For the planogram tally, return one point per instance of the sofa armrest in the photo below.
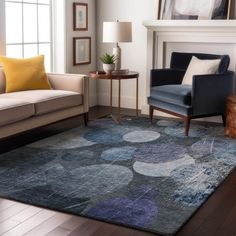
(71, 82)
(209, 92)
(161, 77)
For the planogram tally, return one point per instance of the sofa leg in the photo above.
(224, 120)
(86, 119)
(151, 113)
(187, 125)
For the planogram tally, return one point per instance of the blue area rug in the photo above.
(141, 175)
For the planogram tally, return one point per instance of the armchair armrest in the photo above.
(71, 82)
(209, 92)
(166, 76)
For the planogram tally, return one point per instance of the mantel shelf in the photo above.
(191, 25)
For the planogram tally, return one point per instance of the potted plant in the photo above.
(108, 62)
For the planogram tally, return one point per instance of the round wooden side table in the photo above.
(230, 129)
(119, 76)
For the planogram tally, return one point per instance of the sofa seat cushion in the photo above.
(13, 110)
(46, 101)
(173, 94)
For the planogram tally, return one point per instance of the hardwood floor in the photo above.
(217, 217)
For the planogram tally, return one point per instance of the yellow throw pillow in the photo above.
(25, 74)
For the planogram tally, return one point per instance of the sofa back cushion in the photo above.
(2, 81)
(181, 60)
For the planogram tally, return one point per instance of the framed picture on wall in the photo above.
(82, 50)
(159, 9)
(80, 16)
(194, 10)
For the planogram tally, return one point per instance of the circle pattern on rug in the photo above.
(141, 136)
(161, 169)
(179, 131)
(76, 156)
(118, 154)
(73, 159)
(167, 123)
(137, 212)
(160, 152)
(101, 135)
(91, 181)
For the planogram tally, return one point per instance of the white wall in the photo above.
(133, 54)
(59, 36)
(82, 69)
(2, 27)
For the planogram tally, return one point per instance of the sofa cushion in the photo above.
(174, 94)
(46, 101)
(200, 67)
(13, 110)
(24, 74)
(2, 81)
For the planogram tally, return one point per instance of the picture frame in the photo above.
(159, 9)
(81, 50)
(80, 16)
(194, 10)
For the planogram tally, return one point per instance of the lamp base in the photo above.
(117, 53)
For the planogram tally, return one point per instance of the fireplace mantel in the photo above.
(191, 25)
(160, 32)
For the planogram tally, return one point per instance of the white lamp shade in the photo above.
(115, 32)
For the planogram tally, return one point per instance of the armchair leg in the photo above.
(151, 113)
(224, 120)
(187, 125)
(86, 119)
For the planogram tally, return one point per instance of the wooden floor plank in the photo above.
(7, 225)
(123, 232)
(30, 224)
(59, 232)
(4, 204)
(226, 228)
(49, 225)
(11, 211)
(26, 214)
(140, 233)
(86, 229)
(74, 223)
(104, 229)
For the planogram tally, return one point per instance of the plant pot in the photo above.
(108, 68)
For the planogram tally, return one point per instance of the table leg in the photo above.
(136, 96)
(97, 89)
(119, 98)
(111, 98)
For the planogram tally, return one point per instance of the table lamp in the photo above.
(117, 32)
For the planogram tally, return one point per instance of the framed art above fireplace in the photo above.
(194, 10)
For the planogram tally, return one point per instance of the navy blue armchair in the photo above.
(205, 97)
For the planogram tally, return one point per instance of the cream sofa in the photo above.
(26, 110)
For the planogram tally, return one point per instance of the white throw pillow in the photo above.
(200, 67)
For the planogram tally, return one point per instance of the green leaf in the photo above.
(108, 59)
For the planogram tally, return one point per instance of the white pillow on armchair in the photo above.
(200, 67)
